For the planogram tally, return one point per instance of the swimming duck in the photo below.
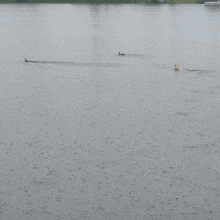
(177, 68)
(121, 54)
(25, 60)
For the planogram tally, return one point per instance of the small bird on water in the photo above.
(121, 54)
(177, 68)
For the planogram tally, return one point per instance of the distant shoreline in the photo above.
(149, 2)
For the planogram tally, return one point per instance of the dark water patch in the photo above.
(193, 70)
(190, 100)
(75, 63)
(195, 91)
(138, 56)
(208, 146)
(182, 113)
(43, 182)
(192, 147)
(201, 72)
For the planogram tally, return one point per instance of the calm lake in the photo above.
(88, 134)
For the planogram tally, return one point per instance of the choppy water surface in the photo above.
(88, 134)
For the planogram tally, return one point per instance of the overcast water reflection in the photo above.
(88, 134)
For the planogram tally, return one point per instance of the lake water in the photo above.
(88, 134)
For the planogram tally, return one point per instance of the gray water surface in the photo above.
(88, 134)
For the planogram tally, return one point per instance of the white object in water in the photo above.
(212, 3)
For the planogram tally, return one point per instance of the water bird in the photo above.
(121, 54)
(25, 60)
(177, 68)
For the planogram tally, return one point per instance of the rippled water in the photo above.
(88, 134)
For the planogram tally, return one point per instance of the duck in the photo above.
(177, 68)
(25, 60)
(121, 54)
